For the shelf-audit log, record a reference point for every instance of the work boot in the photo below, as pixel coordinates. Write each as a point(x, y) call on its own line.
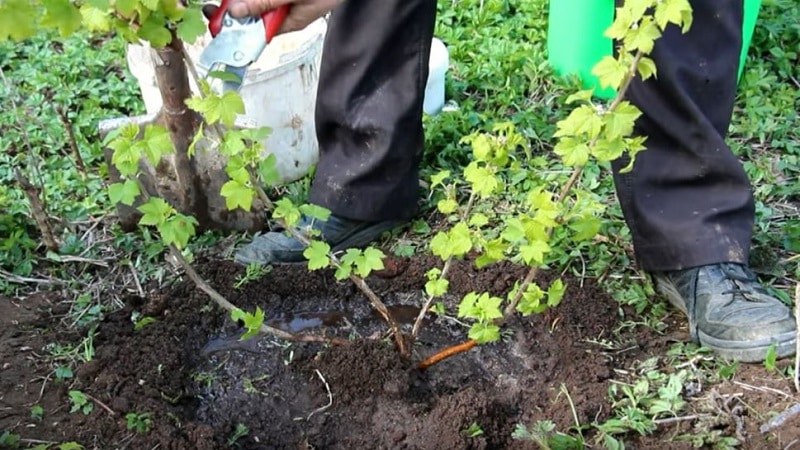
point(281, 247)
point(729, 311)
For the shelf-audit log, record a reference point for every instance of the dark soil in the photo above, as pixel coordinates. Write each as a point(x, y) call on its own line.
point(197, 381)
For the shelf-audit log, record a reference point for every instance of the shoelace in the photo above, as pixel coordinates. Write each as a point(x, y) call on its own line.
point(743, 280)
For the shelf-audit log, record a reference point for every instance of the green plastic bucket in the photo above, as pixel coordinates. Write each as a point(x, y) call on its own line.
point(575, 40)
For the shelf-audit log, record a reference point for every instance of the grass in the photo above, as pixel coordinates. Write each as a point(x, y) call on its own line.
point(498, 73)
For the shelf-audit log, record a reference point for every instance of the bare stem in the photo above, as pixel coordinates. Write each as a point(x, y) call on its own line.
point(445, 269)
point(360, 283)
point(217, 297)
point(37, 210)
point(71, 141)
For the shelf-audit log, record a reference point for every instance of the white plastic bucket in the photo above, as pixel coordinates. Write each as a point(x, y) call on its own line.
point(279, 91)
point(434, 89)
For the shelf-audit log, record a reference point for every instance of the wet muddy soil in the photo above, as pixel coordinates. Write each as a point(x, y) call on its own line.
point(199, 387)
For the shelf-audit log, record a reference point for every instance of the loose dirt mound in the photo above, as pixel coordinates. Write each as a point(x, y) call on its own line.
point(198, 382)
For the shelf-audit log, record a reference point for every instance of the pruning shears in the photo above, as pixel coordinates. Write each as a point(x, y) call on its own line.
point(238, 42)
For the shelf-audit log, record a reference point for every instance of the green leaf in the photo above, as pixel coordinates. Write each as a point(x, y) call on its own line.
point(437, 287)
point(371, 259)
point(481, 307)
point(439, 178)
point(533, 252)
point(620, 121)
point(459, 239)
point(574, 152)
point(609, 150)
point(197, 136)
point(155, 211)
point(126, 154)
point(555, 292)
point(285, 209)
point(155, 143)
point(483, 180)
point(177, 230)
point(71, 445)
point(315, 211)
point(585, 228)
point(580, 96)
point(237, 195)
point(643, 37)
point(610, 72)
point(484, 332)
point(646, 67)
point(61, 14)
point(17, 19)
point(152, 5)
point(216, 108)
point(124, 193)
point(154, 30)
point(447, 205)
point(126, 7)
point(191, 25)
point(95, 19)
point(493, 251)
point(440, 245)
point(251, 321)
point(531, 300)
point(673, 11)
point(267, 171)
point(317, 255)
point(478, 220)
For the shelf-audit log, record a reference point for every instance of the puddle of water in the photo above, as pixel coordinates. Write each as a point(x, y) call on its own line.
point(298, 322)
point(295, 323)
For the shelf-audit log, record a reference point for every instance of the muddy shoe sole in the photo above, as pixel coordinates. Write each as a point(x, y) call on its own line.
point(750, 351)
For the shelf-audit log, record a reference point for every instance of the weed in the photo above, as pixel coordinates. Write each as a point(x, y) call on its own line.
point(79, 402)
point(239, 432)
point(140, 422)
point(37, 412)
point(252, 272)
point(473, 430)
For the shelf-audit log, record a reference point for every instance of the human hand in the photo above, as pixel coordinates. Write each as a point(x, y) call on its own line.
point(302, 12)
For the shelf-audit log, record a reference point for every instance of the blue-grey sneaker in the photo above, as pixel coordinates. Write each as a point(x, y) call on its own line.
point(281, 247)
point(729, 311)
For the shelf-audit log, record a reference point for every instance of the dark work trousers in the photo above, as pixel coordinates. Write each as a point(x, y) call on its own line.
point(687, 201)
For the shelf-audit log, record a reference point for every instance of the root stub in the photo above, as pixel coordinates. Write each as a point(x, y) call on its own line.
point(446, 353)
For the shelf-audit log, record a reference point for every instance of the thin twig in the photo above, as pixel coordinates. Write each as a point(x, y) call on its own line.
point(71, 141)
point(670, 420)
point(8, 276)
point(762, 389)
point(330, 396)
point(37, 210)
point(136, 280)
point(102, 405)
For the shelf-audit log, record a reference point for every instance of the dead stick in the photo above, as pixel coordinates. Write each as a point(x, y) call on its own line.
point(37, 210)
point(71, 141)
point(102, 405)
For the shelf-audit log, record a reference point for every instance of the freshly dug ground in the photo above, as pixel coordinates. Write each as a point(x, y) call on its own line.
point(197, 382)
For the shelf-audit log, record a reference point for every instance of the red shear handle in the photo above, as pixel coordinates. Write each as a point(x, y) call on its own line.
point(272, 19)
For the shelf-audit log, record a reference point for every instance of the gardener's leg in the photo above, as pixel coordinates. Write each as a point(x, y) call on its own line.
point(688, 201)
point(369, 124)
